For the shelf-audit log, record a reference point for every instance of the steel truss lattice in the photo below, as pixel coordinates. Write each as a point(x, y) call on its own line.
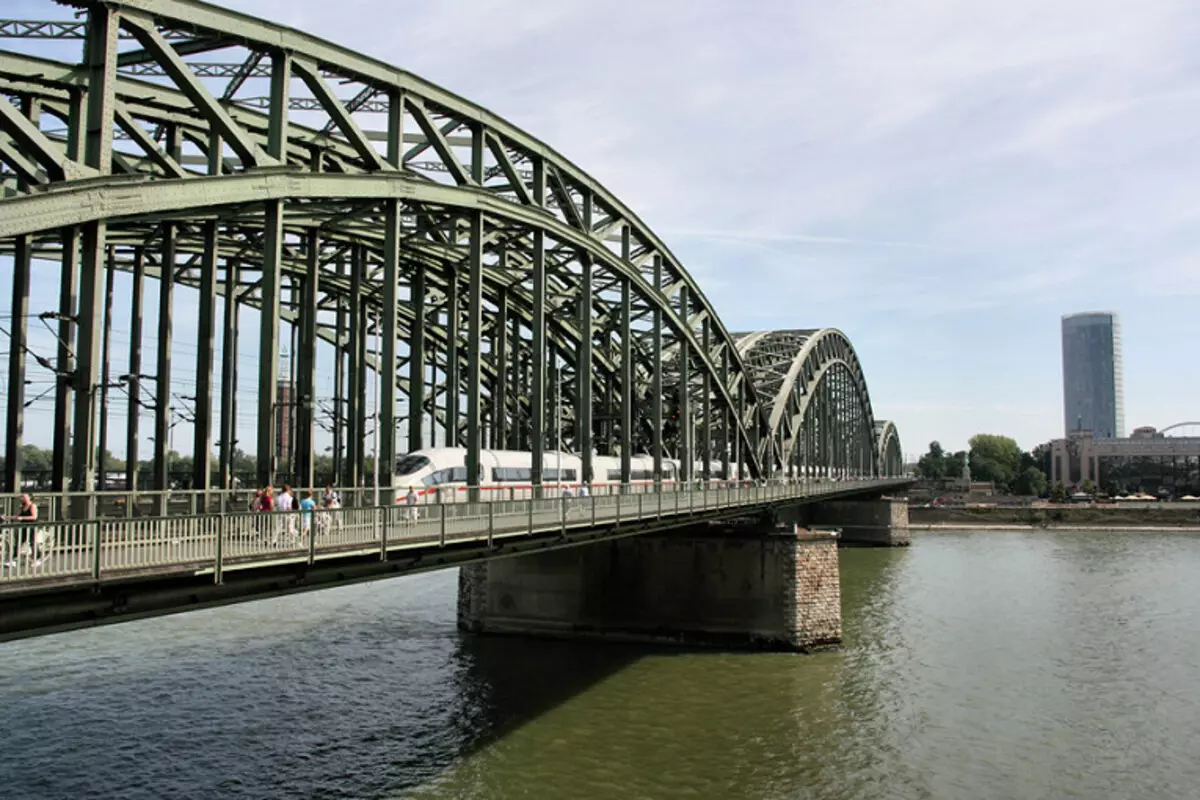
point(348, 198)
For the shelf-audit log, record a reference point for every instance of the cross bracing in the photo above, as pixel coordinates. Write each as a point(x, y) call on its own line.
point(350, 199)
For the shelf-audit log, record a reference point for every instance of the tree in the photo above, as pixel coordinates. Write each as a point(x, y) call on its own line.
point(930, 466)
point(1059, 493)
point(1088, 487)
point(995, 458)
point(1031, 481)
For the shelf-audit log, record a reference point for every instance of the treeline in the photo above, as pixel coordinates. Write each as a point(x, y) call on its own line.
point(37, 466)
point(992, 458)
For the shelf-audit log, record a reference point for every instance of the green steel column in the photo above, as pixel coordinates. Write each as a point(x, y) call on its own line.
point(389, 323)
point(537, 353)
point(453, 333)
point(202, 447)
point(725, 415)
point(475, 345)
point(162, 382)
point(503, 372)
point(416, 361)
point(105, 370)
point(134, 384)
point(656, 383)
point(626, 371)
point(65, 363)
point(685, 400)
point(268, 342)
point(17, 342)
point(706, 406)
point(356, 394)
point(339, 384)
point(229, 356)
point(307, 363)
point(583, 370)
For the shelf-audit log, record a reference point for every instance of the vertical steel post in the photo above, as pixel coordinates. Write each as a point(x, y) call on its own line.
point(17, 343)
point(340, 355)
point(388, 322)
point(65, 363)
point(583, 365)
point(520, 388)
point(537, 355)
point(453, 321)
point(626, 374)
point(162, 391)
point(416, 361)
point(656, 384)
point(725, 415)
point(202, 427)
point(501, 352)
point(685, 394)
point(706, 405)
point(475, 344)
point(229, 355)
point(307, 400)
point(356, 396)
point(105, 370)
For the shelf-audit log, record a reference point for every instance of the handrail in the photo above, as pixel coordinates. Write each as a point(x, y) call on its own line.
point(83, 552)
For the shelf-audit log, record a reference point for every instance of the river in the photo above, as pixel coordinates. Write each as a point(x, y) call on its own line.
point(976, 665)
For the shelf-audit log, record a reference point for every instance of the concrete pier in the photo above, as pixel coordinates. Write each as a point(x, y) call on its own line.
point(869, 523)
point(716, 586)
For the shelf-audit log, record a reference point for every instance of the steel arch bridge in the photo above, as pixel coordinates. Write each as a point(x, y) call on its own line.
point(268, 169)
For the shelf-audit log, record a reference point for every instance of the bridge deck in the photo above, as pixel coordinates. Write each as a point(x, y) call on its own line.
point(129, 555)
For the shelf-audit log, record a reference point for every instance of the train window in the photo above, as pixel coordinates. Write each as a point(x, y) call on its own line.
point(407, 465)
point(441, 476)
point(511, 474)
point(458, 475)
point(554, 474)
point(634, 475)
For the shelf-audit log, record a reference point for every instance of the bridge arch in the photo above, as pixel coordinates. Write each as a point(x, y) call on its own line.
point(503, 281)
point(818, 408)
point(891, 456)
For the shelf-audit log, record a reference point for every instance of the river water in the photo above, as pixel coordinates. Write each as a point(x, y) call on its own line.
point(976, 665)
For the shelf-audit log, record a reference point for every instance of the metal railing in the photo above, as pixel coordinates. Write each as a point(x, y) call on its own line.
point(85, 551)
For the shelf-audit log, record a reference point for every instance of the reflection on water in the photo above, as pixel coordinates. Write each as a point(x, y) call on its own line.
point(980, 665)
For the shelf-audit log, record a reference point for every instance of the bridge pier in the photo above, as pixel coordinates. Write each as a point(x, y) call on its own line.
point(710, 586)
point(869, 523)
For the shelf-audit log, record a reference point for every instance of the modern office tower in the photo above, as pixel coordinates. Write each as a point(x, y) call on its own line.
point(1093, 384)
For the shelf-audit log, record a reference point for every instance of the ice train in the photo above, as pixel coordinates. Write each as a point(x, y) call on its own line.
point(438, 474)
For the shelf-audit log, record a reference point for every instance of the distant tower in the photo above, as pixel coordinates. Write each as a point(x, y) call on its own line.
point(966, 473)
point(1093, 380)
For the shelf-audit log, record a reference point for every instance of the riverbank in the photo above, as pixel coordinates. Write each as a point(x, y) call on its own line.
point(1078, 517)
point(959, 526)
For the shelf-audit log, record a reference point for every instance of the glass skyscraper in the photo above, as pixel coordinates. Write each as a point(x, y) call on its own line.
point(1093, 384)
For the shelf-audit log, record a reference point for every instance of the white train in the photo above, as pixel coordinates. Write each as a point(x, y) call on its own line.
point(439, 474)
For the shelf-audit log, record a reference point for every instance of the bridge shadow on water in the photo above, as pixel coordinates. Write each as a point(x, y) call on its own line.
point(372, 692)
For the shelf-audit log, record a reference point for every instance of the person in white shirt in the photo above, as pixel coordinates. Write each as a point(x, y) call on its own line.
point(286, 502)
point(410, 501)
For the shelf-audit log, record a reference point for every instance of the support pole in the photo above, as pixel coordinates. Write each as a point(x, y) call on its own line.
point(229, 356)
point(626, 378)
point(503, 371)
point(583, 370)
point(453, 320)
point(416, 361)
point(162, 391)
point(65, 363)
point(202, 427)
point(386, 419)
point(105, 371)
point(656, 384)
point(307, 400)
point(537, 356)
point(474, 362)
point(17, 344)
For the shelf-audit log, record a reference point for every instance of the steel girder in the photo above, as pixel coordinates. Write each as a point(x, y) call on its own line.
point(891, 456)
point(448, 200)
point(503, 281)
point(816, 398)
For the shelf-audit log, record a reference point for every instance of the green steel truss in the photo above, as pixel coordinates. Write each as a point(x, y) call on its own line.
point(350, 199)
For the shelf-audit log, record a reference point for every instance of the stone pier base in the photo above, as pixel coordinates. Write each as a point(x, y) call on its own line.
point(713, 586)
point(872, 523)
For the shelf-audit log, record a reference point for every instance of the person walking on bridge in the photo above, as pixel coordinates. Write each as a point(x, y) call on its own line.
point(410, 502)
point(22, 538)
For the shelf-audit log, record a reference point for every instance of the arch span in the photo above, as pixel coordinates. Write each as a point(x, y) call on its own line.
point(518, 302)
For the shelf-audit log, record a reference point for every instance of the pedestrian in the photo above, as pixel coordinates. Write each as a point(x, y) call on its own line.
point(285, 502)
point(307, 504)
point(25, 537)
point(410, 500)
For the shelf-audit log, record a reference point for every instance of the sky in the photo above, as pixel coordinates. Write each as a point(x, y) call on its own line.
point(940, 180)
